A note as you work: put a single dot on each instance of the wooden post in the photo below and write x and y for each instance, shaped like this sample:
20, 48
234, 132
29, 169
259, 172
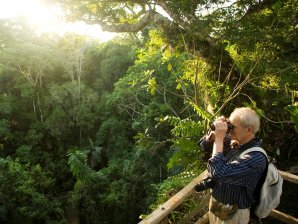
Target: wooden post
202, 205
204, 219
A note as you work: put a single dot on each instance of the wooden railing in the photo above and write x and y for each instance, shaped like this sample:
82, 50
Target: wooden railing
160, 215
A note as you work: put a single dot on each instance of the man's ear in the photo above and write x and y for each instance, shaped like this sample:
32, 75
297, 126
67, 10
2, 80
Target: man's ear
250, 129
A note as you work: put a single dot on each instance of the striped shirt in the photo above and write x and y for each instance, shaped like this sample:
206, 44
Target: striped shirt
236, 178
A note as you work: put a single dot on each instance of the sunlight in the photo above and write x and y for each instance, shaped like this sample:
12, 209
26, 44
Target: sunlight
48, 19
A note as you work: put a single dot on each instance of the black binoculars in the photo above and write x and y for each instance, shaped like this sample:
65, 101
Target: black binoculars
230, 126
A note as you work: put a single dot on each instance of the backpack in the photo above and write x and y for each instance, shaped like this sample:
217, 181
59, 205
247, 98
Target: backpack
269, 188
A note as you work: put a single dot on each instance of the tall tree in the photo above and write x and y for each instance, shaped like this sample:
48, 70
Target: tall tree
221, 32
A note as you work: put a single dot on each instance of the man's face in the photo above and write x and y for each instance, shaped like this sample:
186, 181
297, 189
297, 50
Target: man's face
239, 133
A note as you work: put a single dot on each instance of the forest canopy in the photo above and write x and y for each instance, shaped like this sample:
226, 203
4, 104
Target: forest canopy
104, 132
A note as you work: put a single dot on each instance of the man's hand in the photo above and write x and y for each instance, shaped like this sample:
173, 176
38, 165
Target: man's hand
221, 128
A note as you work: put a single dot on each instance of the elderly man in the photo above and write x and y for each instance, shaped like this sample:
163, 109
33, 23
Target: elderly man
236, 177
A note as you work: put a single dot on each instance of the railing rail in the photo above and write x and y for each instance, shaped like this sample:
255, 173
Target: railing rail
164, 210
159, 216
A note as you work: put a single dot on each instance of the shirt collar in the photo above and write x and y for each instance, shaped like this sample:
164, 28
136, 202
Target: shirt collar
255, 142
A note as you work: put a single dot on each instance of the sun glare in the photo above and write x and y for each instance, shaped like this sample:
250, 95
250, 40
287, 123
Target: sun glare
48, 19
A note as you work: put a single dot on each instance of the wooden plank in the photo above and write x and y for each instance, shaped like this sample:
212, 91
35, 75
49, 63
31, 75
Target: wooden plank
283, 217
164, 210
289, 177
204, 219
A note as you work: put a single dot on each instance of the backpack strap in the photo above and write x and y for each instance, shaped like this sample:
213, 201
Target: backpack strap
254, 149
257, 192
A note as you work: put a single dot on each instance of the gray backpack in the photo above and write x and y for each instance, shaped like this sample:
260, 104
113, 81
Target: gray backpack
271, 189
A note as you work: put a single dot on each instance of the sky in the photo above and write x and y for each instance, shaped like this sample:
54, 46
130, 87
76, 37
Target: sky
48, 19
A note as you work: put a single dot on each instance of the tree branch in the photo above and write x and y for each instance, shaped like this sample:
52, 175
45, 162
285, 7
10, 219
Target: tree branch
172, 14
237, 88
149, 17
260, 6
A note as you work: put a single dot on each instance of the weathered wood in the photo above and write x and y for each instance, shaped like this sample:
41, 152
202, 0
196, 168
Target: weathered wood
283, 217
204, 219
289, 177
164, 210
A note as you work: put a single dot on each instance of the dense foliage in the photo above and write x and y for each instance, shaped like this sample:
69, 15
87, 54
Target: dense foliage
104, 132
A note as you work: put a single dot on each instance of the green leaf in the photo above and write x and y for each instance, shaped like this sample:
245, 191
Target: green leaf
203, 113
152, 86
293, 109
170, 67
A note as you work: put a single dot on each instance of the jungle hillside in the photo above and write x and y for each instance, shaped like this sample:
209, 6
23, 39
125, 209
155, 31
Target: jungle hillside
103, 132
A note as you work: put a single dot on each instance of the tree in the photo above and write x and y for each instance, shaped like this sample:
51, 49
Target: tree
74, 105
24, 190
30, 59
218, 32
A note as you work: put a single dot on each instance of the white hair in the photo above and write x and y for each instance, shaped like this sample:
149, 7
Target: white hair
247, 118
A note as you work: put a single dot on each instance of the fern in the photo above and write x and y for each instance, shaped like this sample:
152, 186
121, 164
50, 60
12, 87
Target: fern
79, 168
201, 112
293, 109
185, 127
186, 155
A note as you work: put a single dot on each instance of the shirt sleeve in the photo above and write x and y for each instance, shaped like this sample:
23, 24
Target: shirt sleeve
207, 145
231, 172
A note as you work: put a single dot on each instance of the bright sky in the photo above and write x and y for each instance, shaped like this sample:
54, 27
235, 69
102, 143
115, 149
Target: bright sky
46, 18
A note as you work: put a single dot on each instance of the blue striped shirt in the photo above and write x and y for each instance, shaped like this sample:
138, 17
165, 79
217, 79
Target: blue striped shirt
236, 178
